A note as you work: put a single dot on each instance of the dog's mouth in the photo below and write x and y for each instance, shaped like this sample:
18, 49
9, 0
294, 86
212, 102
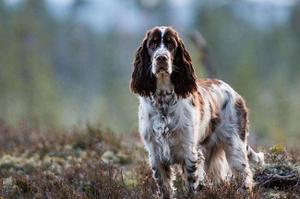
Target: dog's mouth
162, 69
162, 73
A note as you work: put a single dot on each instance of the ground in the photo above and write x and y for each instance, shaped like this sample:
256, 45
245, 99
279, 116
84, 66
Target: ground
95, 163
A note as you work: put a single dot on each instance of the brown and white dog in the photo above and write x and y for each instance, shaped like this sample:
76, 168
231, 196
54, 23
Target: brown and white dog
201, 124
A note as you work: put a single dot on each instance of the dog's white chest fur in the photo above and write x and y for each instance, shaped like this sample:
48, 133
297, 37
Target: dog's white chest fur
166, 125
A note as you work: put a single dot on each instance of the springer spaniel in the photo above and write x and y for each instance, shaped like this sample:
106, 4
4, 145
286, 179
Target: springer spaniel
200, 124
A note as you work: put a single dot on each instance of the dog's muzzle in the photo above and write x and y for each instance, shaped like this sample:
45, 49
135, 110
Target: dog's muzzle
162, 63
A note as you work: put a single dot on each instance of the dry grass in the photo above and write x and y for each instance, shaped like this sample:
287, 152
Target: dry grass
95, 163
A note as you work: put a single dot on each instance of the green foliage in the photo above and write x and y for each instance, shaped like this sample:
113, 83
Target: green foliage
260, 65
27, 85
278, 149
60, 72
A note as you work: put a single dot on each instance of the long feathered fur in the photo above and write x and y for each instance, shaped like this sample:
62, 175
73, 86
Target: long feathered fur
142, 82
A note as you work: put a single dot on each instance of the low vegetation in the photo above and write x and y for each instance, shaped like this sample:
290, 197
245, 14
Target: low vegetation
96, 163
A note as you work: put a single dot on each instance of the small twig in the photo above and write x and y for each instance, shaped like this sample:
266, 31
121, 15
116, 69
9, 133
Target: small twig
281, 181
122, 177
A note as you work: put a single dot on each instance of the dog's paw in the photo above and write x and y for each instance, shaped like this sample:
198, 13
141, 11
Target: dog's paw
261, 158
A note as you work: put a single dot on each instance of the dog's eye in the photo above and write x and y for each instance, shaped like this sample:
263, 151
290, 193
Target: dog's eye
153, 43
170, 44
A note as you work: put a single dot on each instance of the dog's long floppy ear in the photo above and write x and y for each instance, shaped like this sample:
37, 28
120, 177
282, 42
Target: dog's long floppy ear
143, 82
183, 77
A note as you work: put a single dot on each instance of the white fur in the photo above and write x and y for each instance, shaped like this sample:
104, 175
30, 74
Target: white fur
182, 123
176, 139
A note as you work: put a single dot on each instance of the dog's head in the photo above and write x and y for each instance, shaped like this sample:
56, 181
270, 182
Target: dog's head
162, 51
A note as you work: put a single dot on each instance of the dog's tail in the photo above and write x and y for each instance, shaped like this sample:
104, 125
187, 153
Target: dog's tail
257, 158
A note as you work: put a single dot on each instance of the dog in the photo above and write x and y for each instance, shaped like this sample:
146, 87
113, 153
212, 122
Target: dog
200, 124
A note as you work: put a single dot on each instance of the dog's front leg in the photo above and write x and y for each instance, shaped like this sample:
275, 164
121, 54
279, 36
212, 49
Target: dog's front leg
193, 161
162, 174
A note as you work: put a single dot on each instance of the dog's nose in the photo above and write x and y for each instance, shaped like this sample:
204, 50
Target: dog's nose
161, 58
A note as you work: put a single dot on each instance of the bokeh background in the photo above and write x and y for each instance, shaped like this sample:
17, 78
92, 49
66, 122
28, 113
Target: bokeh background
68, 62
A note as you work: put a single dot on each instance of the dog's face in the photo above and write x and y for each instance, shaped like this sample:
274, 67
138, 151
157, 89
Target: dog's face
162, 51
161, 45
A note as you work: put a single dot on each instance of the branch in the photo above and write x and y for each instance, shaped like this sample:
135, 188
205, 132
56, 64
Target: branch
199, 41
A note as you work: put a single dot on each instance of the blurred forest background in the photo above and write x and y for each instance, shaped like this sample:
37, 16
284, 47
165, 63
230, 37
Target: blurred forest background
68, 62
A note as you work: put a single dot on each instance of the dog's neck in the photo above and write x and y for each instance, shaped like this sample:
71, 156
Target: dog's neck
164, 96
163, 82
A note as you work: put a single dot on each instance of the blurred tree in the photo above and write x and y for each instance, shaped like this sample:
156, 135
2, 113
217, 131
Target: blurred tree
260, 64
295, 20
27, 68
49, 62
